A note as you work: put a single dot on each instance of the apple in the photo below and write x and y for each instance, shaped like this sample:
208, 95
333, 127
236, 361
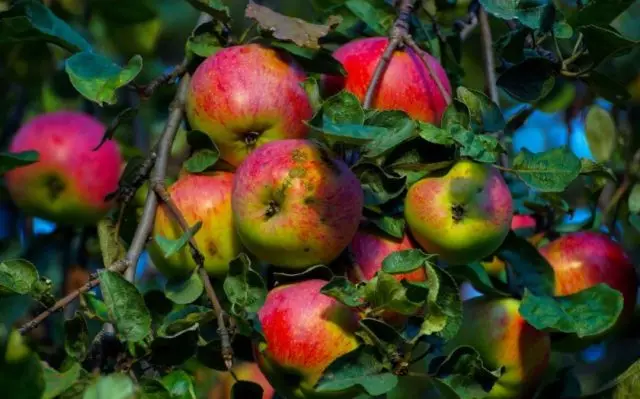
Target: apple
463, 215
245, 96
245, 371
69, 182
583, 259
406, 85
305, 331
502, 337
199, 197
295, 205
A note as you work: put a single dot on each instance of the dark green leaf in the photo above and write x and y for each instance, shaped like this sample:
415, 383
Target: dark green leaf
111, 245
125, 11
529, 14
607, 87
634, 220
126, 306
377, 14
246, 389
634, 199
344, 291
32, 21
21, 374
57, 382
203, 42
112, 386
601, 133
479, 147
549, 171
13, 160
312, 88
384, 292
343, 108
76, 337
456, 113
434, 134
179, 385
378, 186
125, 116
444, 305
511, 45
540, 73
95, 308
312, 61
603, 42
591, 311
170, 247
357, 370
184, 319
400, 128
599, 12
530, 268
320, 272
478, 277
184, 291
405, 261
152, 389
588, 167
163, 348
243, 286
17, 276
216, 8
392, 225
202, 160
97, 78
483, 112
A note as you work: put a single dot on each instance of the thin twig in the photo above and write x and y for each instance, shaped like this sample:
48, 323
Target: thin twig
488, 57
414, 46
379, 71
147, 90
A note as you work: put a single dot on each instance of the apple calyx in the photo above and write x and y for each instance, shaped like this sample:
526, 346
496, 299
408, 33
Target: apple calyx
272, 208
251, 138
457, 212
55, 187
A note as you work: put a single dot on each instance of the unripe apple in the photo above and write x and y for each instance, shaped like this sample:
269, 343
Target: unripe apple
463, 216
502, 337
199, 197
294, 205
583, 259
70, 181
245, 96
407, 84
305, 331
246, 371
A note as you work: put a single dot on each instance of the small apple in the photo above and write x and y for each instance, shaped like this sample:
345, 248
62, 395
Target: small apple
305, 331
463, 216
294, 205
199, 197
246, 371
502, 337
245, 96
407, 84
69, 182
583, 259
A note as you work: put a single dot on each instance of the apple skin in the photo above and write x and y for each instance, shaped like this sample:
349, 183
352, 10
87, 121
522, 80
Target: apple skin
246, 371
586, 258
305, 331
294, 205
463, 216
496, 330
406, 85
245, 96
69, 182
204, 197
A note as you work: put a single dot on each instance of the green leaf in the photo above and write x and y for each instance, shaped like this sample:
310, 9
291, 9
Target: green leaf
399, 129
97, 78
343, 108
478, 147
405, 261
179, 385
21, 373
549, 171
434, 134
456, 113
384, 292
312, 88
216, 8
243, 286
126, 306
358, 370
14, 160
511, 45
111, 244
184, 291
202, 160
344, 291
30, 21
599, 12
444, 305
634, 199
203, 42
76, 337
601, 133
56, 382
530, 268
589, 312
312, 61
384, 333
184, 319
392, 225
95, 308
152, 389
246, 389
163, 347
483, 112
588, 167
170, 247
127, 115
378, 186
17, 276
476, 274
540, 73
607, 87
112, 386
604, 42
377, 14
530, 14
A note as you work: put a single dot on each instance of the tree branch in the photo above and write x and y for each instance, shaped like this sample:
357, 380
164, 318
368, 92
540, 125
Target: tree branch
488, 57
147, 90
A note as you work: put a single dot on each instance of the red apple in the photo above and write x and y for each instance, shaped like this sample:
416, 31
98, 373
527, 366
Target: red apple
502, 337
245, 96
305, 331
246, 371
406, 85
205, 198
294, 205
69, 182
523, 222
583, 259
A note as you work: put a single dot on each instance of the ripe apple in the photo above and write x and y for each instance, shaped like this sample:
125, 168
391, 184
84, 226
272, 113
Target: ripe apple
305, 331
245, 96
200, 197
496, 330
583, 259
463, 216
294, 205
406, 85
246, 371
69, 182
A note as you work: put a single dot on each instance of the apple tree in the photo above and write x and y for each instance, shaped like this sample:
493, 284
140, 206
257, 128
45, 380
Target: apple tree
319, 199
